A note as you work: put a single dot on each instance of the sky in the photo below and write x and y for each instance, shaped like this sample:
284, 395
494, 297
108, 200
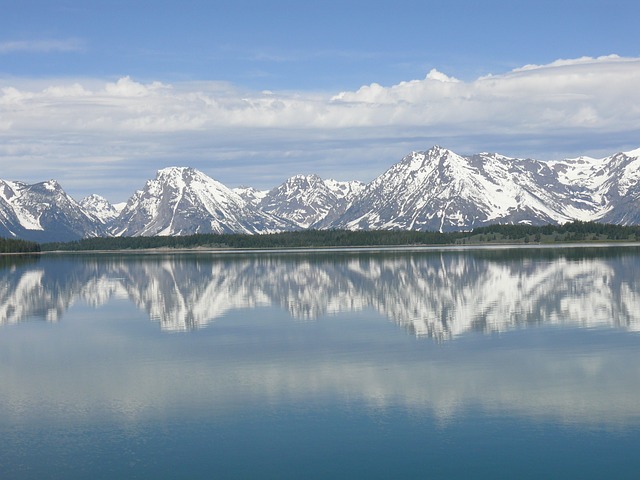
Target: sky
99, 95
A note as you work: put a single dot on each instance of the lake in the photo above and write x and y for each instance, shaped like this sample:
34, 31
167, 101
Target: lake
376, 364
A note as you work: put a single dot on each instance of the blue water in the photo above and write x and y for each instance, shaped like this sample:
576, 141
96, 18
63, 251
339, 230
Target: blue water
405, 365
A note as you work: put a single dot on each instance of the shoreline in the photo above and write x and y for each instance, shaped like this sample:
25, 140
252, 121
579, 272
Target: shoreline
346, 249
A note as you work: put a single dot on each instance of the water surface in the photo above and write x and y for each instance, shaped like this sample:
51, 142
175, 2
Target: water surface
407, 364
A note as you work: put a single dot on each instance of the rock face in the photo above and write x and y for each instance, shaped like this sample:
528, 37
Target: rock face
309, 201
43, 212
250, 194
99, 208
440, 190
184, 201
435, 190
617, 186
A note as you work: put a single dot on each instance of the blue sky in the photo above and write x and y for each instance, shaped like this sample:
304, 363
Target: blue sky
101, 94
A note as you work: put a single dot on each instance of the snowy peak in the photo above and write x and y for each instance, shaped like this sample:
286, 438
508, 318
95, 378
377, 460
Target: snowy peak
435, 159
175, 172
345, 190
182, 177
99, 208
620, 189
628, 169
440, 190
435, 189
633, 153
185, 201
251, 195
309, 201
43, 212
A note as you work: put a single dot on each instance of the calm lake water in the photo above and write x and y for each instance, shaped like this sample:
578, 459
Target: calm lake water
485, 363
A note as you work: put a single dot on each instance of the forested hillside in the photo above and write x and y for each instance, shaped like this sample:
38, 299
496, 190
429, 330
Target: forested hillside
10, 245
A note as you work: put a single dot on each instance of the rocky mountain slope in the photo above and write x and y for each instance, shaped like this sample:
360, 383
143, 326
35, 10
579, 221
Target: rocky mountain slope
435, 190
184, 201
250, 194
99, 208
309, 201
43, 212
440, 190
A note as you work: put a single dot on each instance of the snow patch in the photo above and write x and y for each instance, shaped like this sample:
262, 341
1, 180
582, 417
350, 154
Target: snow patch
633, 153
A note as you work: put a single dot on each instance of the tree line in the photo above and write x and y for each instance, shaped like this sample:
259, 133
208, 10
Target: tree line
13, 245
569, 232
297, 239
578, 231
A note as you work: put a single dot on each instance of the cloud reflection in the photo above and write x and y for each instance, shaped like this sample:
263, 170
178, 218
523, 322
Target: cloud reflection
85, 371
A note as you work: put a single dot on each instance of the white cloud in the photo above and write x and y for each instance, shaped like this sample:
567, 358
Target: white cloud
574, 61
538, 99
125, 87
560, 95
41, 46
441, 77
579, 106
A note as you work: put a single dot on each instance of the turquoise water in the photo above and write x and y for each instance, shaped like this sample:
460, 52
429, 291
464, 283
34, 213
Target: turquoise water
409, 364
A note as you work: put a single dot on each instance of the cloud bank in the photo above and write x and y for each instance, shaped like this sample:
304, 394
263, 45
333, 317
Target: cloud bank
86, 128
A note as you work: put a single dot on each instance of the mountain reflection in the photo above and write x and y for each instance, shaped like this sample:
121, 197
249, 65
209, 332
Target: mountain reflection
438, 294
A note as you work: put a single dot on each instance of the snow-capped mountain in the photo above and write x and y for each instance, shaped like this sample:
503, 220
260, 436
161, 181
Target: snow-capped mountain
43, 212
432, 190
99, 208
184, 201
250, 194
440, 190
612, 183
309, 201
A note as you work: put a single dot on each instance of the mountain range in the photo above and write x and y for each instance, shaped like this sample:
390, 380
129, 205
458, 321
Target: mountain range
436, 190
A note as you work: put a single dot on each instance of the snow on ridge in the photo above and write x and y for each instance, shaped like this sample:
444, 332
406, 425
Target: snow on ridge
250, 194
51, 185
119, 206
428, 190
99, 207
184, 201
26, 219
441, 190
633, 153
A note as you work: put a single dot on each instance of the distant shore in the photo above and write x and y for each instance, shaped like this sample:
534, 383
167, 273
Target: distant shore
569, 233
574, 233
350, 249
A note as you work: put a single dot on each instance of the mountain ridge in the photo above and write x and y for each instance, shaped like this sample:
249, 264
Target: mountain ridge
431, 190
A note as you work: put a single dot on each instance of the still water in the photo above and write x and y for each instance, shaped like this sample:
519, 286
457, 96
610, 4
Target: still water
485, 363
